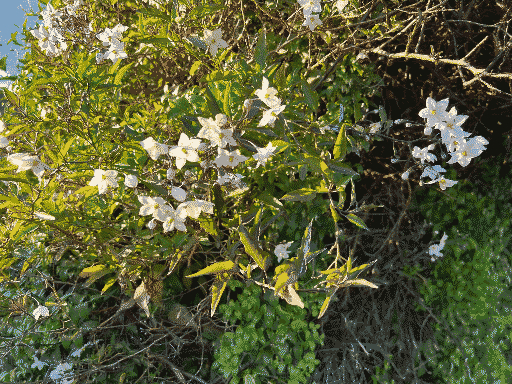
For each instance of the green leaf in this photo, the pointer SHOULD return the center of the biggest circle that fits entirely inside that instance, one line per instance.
(260, 52)
(158, 189)
(110, 282)
(356, 220)
(310, 95)
(156, 13)
(65, 150)
(212, 103)
(280, 77)
(214, 268)
(252, 248)
(303, 194)
(3, 63)
(195, 67)
(341, 145)
(207, 223)
(20, 230)
(204, 10)
(121, 73)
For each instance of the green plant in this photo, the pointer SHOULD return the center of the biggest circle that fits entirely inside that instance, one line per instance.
(272, 340)
(469, 287)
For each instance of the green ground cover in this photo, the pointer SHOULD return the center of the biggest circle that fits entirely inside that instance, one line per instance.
(469, 288)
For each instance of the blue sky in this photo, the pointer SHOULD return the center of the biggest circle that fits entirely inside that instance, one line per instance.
(11, 14)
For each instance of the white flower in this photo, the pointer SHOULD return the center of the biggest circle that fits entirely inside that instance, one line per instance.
(155, 206)
(179, 193)
(310, 6)
(214, 40)
(110, 36)
(152, 224)
(432, 172)
(185, 150)
(174, 218)
(24, 161)
(59, 371)
(104, 179)
(154, 149)
(229, 159)
(465, 152)
(194, 208)
(268, 95)
(4, 142)
(423, 153)
(51, 16)
(130, 181)
(281, 251)
(211, 130)
(3, 127)
(264, 154)
(436, 248)
(405, 175)
(37, 363)
(43, 216)
(435, 113)
(341, 4)
(47, 40)
(312, 21)
(452, 121)
(443, 183)
(270, 116)
(115, 52)
(453, 138)
(41, 311)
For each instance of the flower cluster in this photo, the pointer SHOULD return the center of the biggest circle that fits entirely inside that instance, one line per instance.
(50, 38)
(308, 7)
(452, 135)
(52, 41)
(112, 39)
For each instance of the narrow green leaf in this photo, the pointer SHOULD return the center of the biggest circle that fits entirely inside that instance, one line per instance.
(310, 95)
(204, 10)
(261, 257)
(260, 52)
(194, 67)
(214, 268)
(341, 145)
(303, 194)
(356, 220)
(121, 73)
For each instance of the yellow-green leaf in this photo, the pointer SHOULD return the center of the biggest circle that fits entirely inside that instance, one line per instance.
(110, 282)
(217, 288)
(261, 257)
(360, 282)
(215, 268)
(207, 223)
(303, 194)
(282, 280)
(356, 220)
(341, 145)
(194, 67)
(27, 263)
